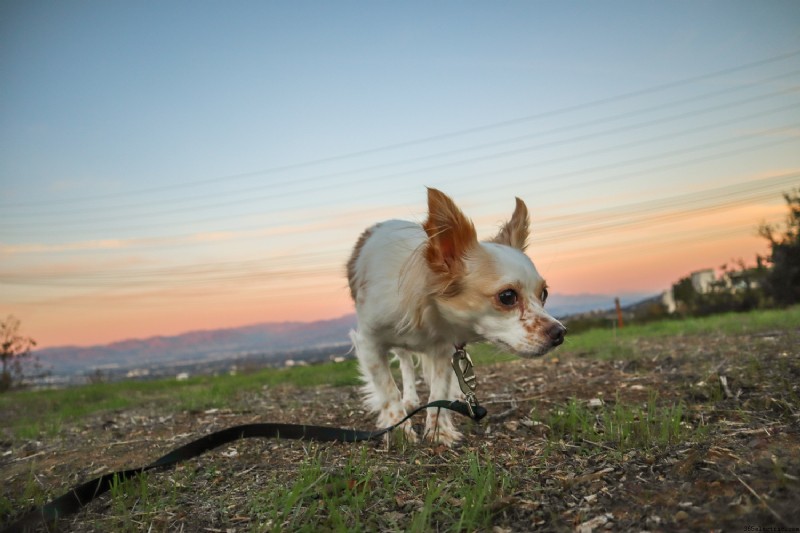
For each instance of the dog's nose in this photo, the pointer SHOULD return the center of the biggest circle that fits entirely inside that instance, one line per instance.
(556, 332)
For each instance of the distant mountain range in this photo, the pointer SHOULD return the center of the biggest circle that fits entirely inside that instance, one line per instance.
(268, 341)
(281, 338)
(562, 306)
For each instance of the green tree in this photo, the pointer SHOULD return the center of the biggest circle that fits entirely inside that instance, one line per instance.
(685, 295)
(782, 282)
(13, 350)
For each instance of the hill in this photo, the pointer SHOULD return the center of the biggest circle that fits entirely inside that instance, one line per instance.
(262, 340)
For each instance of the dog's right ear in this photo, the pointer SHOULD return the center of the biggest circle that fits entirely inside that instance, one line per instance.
(514, 233)
(450, 234)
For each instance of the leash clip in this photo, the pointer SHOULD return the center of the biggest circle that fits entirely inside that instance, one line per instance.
(464, 369)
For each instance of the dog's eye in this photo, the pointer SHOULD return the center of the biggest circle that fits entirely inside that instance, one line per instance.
(544, 296)
(508, 297)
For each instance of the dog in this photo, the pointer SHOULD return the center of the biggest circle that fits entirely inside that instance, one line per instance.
(421, 289)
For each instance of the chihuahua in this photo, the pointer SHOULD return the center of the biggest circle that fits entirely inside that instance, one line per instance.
(421, 289)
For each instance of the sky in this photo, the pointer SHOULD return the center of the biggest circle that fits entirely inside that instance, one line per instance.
(174, 166)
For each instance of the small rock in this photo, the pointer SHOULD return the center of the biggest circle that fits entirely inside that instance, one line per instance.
(594, 523)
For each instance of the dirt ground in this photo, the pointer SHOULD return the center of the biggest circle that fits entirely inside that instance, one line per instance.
(738, 468)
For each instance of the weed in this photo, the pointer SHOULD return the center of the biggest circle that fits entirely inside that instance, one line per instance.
(478, 489)
(422, 520)
(32, 496)
(623, 426)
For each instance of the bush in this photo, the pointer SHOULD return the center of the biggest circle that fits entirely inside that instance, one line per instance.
(13, 350)
(782, 283)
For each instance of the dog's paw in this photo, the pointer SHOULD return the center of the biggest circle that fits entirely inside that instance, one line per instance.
(410, 403)
(439, 435)
(403, 434)
(391, 415)
(440, 430)
(408, 432)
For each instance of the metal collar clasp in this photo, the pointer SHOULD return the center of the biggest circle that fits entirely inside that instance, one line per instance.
(464, 369)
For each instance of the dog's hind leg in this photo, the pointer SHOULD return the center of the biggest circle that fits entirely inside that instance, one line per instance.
(409, 374)
(380, 390)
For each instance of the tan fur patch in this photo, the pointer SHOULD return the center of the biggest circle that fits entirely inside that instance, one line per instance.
(514, 233)
(351, 263)
(478, 287)
(533, 327)
(451, 235)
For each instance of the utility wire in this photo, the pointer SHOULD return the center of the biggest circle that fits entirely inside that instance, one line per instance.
(300, 265)
(570, 157)
(473, 148)
(432, 138)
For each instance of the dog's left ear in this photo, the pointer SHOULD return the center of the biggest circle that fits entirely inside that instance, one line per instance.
(514, 233)
(450, 234)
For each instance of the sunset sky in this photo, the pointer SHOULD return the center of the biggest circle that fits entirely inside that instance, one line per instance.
(172, 166)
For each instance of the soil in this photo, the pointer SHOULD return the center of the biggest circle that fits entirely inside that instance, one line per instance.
(737, 468)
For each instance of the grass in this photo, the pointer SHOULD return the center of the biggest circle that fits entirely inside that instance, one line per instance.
(342, 498)
(618, 343)
(37, 413)
(621, 426)
(42, 413)
(313, 487)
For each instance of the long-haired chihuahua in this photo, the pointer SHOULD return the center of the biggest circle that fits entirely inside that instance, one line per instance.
(421, 289)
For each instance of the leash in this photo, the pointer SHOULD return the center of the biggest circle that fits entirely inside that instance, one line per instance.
(77, 498)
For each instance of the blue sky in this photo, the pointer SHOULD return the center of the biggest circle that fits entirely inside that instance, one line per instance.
(163, 159)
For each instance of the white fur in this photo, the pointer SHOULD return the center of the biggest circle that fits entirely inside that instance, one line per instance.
(402, 307)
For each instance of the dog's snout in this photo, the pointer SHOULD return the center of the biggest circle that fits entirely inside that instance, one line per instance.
(556, 332)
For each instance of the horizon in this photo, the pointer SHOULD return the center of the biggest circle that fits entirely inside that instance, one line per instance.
(188, 167)
(626, 298)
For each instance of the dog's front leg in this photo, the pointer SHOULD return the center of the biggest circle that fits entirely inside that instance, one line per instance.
(409, 374)
(439, 425)
(380, 390)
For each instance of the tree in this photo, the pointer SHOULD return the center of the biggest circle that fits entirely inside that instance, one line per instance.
(685, 295)
(782, 282)
(13, 350)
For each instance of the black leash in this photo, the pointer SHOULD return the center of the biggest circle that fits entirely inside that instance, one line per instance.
(77, 498)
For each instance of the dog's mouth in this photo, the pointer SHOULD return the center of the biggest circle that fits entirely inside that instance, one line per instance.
(526, 352)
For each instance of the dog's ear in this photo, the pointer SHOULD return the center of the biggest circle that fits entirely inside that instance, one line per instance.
(514, 233)
(450, 234)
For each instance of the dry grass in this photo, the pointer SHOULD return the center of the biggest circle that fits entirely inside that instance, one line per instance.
(693, 431)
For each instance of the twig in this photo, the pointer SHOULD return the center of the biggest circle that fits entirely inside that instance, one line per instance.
(122, 442)
(503, 414)
(760, 498)
(28, 457)
(723, 381)
(528, 399)
(587, 441)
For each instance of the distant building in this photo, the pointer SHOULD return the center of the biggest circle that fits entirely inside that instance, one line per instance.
(739, 281)
(702, 280)
(668, 300)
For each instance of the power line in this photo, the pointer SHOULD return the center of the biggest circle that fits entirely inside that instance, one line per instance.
(638, 142)
(171, 239)
(310, 264)
(449, 135)
(482, 146)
